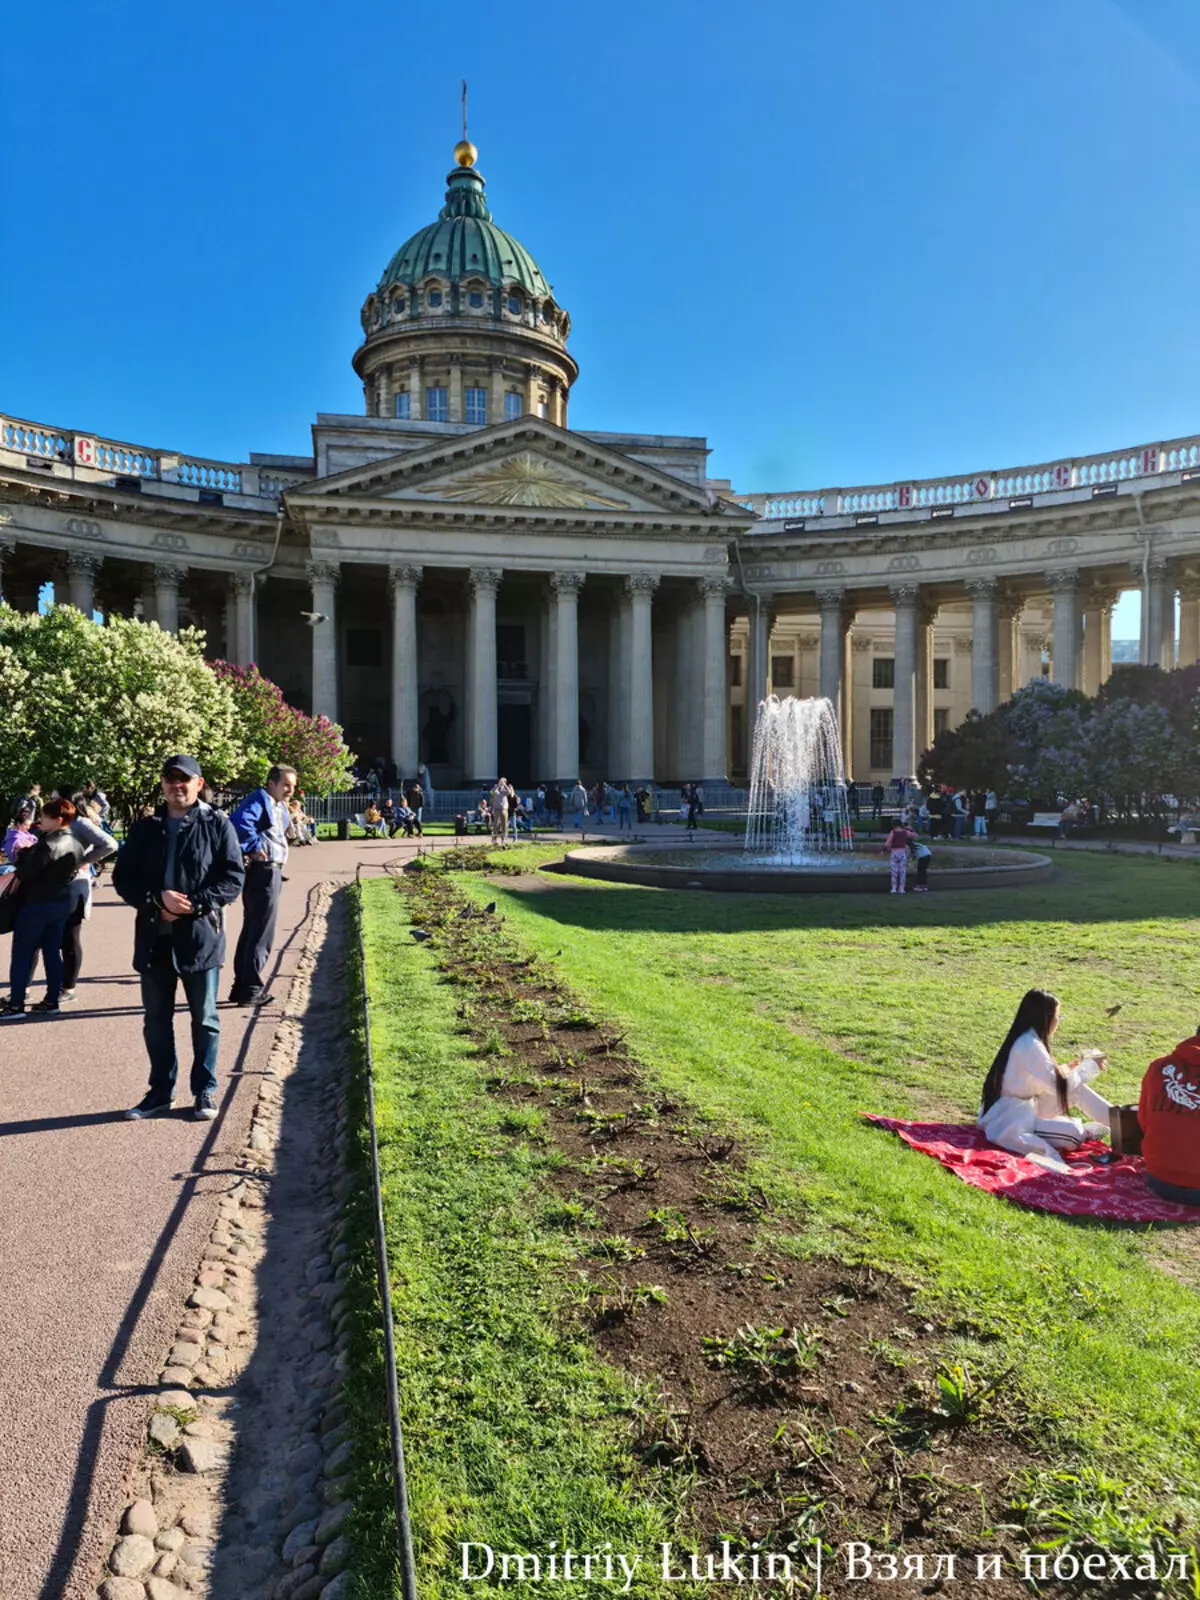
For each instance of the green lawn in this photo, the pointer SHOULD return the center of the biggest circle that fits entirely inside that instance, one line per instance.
(516, 1432)
(790, 1017)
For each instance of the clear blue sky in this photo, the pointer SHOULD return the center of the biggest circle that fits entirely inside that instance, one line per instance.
(848, 243)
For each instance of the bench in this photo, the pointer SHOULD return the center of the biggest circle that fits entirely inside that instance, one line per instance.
(1045, 819)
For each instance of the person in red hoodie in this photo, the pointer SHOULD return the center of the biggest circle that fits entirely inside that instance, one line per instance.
(1169, 1114)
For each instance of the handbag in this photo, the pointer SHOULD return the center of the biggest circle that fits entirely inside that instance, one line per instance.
(10, 904)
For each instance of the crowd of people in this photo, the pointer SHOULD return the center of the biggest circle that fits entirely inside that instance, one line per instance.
(180, 865)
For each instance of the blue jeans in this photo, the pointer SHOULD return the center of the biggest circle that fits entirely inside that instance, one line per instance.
(1173, 1191)
(158, 1027)
(38, 927)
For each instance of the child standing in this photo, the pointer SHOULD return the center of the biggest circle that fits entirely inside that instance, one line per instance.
(897, 843)
(924, 855)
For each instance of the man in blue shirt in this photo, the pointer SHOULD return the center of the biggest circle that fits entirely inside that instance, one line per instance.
(261, 824)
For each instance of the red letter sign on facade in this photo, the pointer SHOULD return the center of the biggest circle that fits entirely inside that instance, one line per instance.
(904, 494)
(1149, 460)
(85, 451)
(1062, 476)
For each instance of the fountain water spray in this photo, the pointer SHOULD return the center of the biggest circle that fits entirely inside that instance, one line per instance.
(798, 803)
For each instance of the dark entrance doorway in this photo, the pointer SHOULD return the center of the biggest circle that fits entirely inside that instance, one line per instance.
(514, 742)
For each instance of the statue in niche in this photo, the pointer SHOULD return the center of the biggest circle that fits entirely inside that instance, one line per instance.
(439, 719)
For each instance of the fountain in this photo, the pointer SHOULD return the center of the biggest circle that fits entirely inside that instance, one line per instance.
(798, 813)
(799, 838)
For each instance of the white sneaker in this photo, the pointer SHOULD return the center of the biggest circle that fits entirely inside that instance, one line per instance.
(66, 997)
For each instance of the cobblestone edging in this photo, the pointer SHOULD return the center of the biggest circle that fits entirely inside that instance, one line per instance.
(198, 1527)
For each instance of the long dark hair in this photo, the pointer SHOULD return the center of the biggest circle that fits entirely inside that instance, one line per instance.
(1036, 1011)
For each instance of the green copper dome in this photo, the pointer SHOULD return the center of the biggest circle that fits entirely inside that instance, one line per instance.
(465, 243)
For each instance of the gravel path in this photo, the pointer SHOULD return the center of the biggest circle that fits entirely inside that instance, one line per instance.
(102, 1223)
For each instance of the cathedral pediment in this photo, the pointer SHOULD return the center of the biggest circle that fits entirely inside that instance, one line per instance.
(525, 464)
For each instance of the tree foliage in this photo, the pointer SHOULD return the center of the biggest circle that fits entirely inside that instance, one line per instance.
(274, 731)
(1128, 748)
(109, 701)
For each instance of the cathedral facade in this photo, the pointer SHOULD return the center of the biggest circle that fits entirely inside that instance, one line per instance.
(459, 577)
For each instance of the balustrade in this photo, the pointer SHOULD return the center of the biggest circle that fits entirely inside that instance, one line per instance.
(1048, 477)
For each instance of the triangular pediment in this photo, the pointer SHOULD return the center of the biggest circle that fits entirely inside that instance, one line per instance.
(524, 464)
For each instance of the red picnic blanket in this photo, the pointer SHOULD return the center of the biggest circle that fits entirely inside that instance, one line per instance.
(1115, 1192)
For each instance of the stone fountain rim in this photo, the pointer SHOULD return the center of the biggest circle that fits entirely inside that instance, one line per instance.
(611, 863)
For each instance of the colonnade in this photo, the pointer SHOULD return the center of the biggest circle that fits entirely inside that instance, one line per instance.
(1079, 643)
(701, 644)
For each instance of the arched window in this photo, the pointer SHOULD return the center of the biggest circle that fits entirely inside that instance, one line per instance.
(434, 298)
(475, 299)
(514, 304)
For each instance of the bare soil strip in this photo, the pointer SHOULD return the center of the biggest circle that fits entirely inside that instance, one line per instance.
(799, 1397)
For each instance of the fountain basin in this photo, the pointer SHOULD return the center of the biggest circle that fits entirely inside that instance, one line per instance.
(729, 868)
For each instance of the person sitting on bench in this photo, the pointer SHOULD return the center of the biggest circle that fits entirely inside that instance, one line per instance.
(1169, 1115)
(1027, 1096)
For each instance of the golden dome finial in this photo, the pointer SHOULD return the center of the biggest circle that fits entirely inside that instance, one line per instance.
(465, 152)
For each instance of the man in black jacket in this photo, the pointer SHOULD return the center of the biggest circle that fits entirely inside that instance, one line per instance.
(179, 869)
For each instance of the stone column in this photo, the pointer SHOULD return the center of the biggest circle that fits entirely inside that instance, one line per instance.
(1064, 586)
(924, 679)
(639, 714)
(481, 674)
(1189, 622)
(405, 753)
(905, 598)
(82, 570)
(384, 391)
(496, 400)
(1009, 645)
(167, 579)
(714, 759)
(1158, 614)
(454, 399)
(835, 669)
(324, 577)
(1097, 606)
(564, 715)
(758, 666)
(414, 390)
(617, 764)
(532, 375)
(985, 668)
(241, 639)
(833, 633)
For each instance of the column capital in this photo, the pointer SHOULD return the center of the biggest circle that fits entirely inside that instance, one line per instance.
(242, 583)
(1158, 567)
(860, 644)
(168, 572)
(641, 583)
(1189, 588)
(567, 583)
(404, 577)
(831, 599)
(485, 579)
(714, 584)
(1064, 581)
(904, 594)
(79, 562)
(982, 588)
(1011, 605)
(319, 572)
(1100, 597)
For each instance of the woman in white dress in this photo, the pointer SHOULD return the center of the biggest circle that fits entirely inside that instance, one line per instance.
(1027, 1096)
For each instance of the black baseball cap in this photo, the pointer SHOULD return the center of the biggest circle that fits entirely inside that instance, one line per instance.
(185, 764)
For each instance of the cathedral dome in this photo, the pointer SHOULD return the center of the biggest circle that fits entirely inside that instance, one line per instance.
(463, 327)
(464, 265)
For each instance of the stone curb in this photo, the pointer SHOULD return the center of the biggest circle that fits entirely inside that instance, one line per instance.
(168, 1532)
